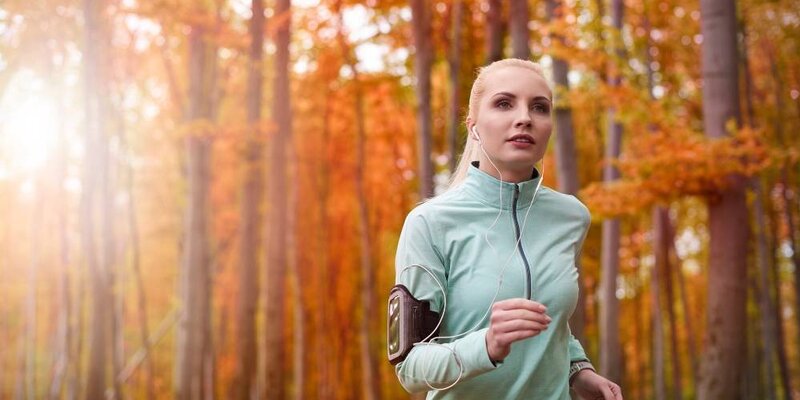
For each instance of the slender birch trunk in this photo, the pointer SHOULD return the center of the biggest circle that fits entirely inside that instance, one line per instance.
(250, 212)
(454, 63)
(669, 291)
(518, 25)
(494, 34)
(765, 303)
(62, 337)
(686, 311)
(95, 182)
(423, 62)
(566, 156)
(658, 361)
(275, 287)
(194, 336)
(728, 226)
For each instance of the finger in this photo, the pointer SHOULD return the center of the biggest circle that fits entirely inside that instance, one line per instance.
(510, 304)
(508, 338)
(522, 314)
(519, 325)
(607, 394)
(617, 392)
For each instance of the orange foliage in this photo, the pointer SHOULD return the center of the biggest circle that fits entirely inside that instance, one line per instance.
(663, 166)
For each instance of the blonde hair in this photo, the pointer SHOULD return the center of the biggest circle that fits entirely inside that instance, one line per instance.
(471, 149)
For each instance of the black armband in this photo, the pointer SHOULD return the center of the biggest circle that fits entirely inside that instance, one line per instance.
(410, 321)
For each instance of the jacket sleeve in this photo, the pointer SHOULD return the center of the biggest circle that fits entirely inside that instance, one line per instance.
(576, 352)
(434, 363)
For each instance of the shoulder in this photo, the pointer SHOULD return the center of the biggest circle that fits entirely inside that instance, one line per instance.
(565, 204)
(437, 206)
(437, 214)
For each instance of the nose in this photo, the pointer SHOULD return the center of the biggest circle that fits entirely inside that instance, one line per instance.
(523, 119)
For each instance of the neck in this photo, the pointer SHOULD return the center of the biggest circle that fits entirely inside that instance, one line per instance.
(511, 175)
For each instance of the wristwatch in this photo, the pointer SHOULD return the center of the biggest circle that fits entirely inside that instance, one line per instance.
(577, 366)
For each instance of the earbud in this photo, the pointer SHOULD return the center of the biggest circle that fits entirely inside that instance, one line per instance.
(475, 134)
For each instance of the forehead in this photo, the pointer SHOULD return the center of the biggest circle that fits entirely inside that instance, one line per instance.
(519, 81)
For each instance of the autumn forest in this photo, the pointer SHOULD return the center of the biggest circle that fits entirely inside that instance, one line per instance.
(201, 199)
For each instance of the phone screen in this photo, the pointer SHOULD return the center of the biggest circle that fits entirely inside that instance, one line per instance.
(394, 325)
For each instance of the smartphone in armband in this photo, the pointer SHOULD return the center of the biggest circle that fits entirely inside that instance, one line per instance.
(410, 321)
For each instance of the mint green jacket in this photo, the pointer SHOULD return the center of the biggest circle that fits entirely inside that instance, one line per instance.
(447, 234)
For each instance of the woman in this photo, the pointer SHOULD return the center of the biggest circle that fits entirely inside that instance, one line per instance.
(495, 257)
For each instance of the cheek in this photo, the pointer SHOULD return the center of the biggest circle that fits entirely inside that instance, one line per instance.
(493, 127)
(545, 126)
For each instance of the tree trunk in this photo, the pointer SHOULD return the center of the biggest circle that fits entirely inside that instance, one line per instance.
(62, 337)
(639, 366)
(250, 213)
(665, 242)
(780, 337)
(194, 338)
(454, 61)
(784, 180)
(96, 96)
(133, 225)
(297, 284)
(658, 329)
(768, 311)
(567, 160)
(518, 25)
(610, 348)
(369, 363)
(494, 35)
(678, 273)
(108, 245)
(423, 61)
(752, 383)
(765, 303)
(722, 368)
(687, 316)
(275, 360)
(26, 387)
(142, 299)
(786, 208)
(75, 380)
(324, 317)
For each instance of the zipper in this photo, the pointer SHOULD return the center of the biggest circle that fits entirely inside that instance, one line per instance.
(519, 243)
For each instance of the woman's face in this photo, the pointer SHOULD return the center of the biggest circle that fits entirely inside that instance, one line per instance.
(514, 122)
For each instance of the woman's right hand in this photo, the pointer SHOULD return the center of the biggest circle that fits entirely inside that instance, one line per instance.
(513, 320)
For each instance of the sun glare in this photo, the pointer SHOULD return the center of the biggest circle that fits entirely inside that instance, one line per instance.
(27, 125)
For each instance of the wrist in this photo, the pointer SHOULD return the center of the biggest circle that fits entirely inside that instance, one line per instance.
(493, 356)
(577, 367)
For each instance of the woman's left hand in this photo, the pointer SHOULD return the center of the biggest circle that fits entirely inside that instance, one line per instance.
(591, 386)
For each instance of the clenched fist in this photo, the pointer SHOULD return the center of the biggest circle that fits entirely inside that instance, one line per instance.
(513, 320)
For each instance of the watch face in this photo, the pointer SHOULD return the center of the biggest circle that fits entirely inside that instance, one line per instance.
(394, 325)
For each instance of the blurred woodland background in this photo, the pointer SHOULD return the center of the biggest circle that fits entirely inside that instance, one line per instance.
(202, 198)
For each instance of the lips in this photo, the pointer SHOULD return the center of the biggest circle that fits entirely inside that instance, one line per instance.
(522, 138)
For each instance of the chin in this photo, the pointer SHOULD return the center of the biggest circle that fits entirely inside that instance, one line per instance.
(521, 162)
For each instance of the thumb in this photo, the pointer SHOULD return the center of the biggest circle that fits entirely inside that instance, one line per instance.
(606, 390)
(617, 392)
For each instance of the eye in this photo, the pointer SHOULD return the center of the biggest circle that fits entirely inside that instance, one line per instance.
(503, 104)
(540, 108)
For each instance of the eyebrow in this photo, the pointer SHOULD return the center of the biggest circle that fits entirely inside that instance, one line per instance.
(511, 95)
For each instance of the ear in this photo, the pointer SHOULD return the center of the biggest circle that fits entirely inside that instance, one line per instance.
(471, 129)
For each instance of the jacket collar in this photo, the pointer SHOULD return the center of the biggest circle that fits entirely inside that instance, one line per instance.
(488, 189)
